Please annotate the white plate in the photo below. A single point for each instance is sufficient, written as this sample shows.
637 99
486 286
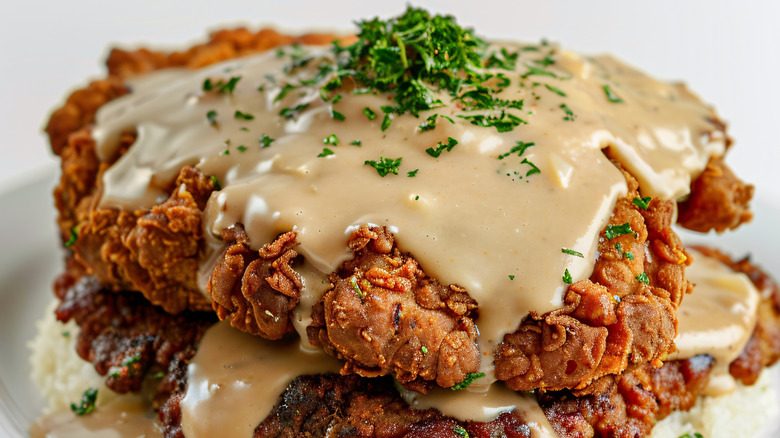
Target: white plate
30 259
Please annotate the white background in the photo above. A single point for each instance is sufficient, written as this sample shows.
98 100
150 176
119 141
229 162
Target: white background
729 54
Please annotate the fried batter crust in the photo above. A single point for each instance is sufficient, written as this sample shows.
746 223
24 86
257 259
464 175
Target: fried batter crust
256 291
718 200
613 319
383 314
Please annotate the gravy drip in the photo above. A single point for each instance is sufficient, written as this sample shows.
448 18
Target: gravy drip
716 319
487 224
483 406
235 379
124 417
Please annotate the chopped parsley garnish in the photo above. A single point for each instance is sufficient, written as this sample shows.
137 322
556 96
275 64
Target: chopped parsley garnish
569 113
503 122
441 147
243 116
613 231
215 181
460 431
470 378
511 277
369 113
424 349
291 113
87 404
221 86
643 278
265 141
482 98
695 435
571 252
66 333
533 70
519 149
385 165
502 59
567 277
74 236
241 148
555 90
356 287
332 140
335 115
642 203
356 143
283 92
325 152
386 122
428 124
624 254
611 96
533 170
211 116
412 173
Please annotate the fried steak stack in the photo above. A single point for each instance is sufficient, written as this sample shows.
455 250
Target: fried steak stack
597 364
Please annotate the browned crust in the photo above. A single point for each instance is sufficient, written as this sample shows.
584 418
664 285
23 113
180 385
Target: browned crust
154 251
384 315
256 291
613 319
718 200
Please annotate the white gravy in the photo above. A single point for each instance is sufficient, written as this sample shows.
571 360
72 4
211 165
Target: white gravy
717 319
123 417
468 217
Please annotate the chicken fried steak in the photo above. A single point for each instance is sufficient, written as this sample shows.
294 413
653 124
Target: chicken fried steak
427 208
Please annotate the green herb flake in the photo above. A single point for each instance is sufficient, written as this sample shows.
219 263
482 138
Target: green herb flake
244 128
643 278
571 252
567 277
511 277
519 149
87 404
283 92
215 182
642 203
265 141
74 236
335 115
369 113
555 90
613 231
412 173
628 255
424 349
569 113
441 147
460 431
211 116
158 375
66 333
356 143
229 86
385 166
611 96
356 287
386 122
292 112
428 124
243 116
241 148
534 169
325 152
504 122
470 378
533 70
332 140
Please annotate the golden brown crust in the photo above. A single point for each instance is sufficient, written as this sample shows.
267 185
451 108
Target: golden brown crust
718 201
384 315
256 291
612 320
